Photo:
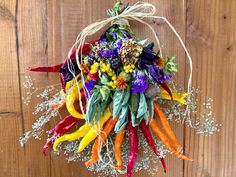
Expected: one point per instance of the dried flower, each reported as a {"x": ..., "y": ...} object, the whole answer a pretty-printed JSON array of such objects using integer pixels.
[
  {"x": 94, "y": 68},
  {"x": 170, "y": 65},
  {"x": 157, "y": 74},
  {"x": 112, "y": 84},
  {"x": 121, "y": 84},
  {"x": 115, "y": 63},
  {"x": 129, "y": 68},
  {"x": 147, "y": 58},
  {"x": 89, "y": 85},
  {"x": 140, "y": 84},
  {"x": 160, "y": 63},
  {"x": 84, "y": 68},
  {"x": 129, "y": 52}
]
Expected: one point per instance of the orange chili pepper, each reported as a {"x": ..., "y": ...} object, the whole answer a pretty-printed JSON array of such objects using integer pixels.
[
  {"x": 57, "y": 105},
  {"x": 118, "y": 142},
  {"x": 100, "y": 140},
  {"x": 157, "y": 131},
  {"x": 166, "y": 125}
]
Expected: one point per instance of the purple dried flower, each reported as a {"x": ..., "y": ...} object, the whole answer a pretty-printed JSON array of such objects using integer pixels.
[
  {"x": 113, "y": 34},
  {"x": 102, "y": 40},
  {"x": 119, "y": 44},
  {"x": 103, "y": 53},
  {"x": 140, "y": 84},
  {"x": 89, "y": 85},
  {"x": 110, "y": 53},
  {"x": 157, "y": 74}
]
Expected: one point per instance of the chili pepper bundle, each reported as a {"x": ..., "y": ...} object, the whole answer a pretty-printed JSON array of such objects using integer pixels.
[{"x": 115, "y": 82}]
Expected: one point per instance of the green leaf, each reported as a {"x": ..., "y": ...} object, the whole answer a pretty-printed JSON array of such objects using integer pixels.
[
  {"x": 98, "y": 99},
  {"x": 123, "y": 119},
  {"x": 108, "y": 37},
  {"x": 142, "y": 109},
  {"x": 98, "y": 113},
  {"x": 150, "y": 107},
  {"x": 104, "y": 106},
  {"x": 105, "y": 92},
  {"x": 117, "y": 102},
  {"x": 134, "y": 102},
  {"x": 145, "y": 117},
  {"x": 137, "y": 121},
  {"x": 133, "y": 118},
  {"x": 116, "y": 7},
  {"x": 91, "y": 108},
  {"x": 104, "y": 79},
  {"x": 127, "y": 96}
]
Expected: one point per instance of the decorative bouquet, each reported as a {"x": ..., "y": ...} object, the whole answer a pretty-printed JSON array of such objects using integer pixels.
[{"x": 118, "y": 85}]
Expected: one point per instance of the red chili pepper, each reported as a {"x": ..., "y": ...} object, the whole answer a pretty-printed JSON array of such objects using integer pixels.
[
  {"x": 166, "y": 88},
  {"x": 94, "y": 76},
  {"x": 63, "y": 127},
  {"x": 47, "y": 145},
  {"x": 55, "y": 68},
  {"x": 67, "y": 122},
  {"x": 63, "y": 83},
  {"x": 85, "y": 48},
  {"x": 149, "y": 138},
  {"x": 60, "y": 129},
  {"x": 133, "y": 136}
]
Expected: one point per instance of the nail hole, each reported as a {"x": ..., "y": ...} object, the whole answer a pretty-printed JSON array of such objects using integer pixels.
[{"x": 228, "y": 48}]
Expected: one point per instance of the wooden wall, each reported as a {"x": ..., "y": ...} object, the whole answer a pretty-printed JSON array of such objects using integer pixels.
[{"x": 40, "y": 32}]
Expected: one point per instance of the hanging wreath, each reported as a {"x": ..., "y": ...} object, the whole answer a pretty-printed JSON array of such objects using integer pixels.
[{"x": 119, "y": 83}]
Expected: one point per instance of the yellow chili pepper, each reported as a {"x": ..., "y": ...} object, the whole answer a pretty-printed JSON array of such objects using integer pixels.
[
  {"x": 72, "y": 82},
  {"x": 81, "y": 132},
  {"x": 94, "y": 131},
  {"x": 72, "y": 96},
  {"x": 180, "y": 97}
]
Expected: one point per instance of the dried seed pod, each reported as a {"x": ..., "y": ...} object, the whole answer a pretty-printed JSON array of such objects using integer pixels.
[{"x": 129, "y": 52}]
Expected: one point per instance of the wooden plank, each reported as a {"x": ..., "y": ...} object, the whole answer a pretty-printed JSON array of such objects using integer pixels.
[
  {"x": 211, "y": 38},
  {"x": 10, "y": 109},
  {"x": 32, "y": 36},
  {"x": 174, "y": 12}
]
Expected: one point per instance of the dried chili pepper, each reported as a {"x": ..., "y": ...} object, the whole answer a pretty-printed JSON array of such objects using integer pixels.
[
  {"x": 47, "y": 69},
  {"x": 64, "y": 125},
  {"x": 166, "y": 125},
  {"x": 95, "y": 130},
  {"x": 47, "y": 145},
  {"x": 118, "y": 142},
  {"x": 149, "y": 138},
  {"x": 72, "y": 96},
  {"x": 100, "y": 140},
  {"x": 167, "y": 89},
  {"x": 157, "y": 130},
  {"x": 133, "y": 136},
  {"x": 60, "y": 129},
  {"x": 81, "y": 132}
]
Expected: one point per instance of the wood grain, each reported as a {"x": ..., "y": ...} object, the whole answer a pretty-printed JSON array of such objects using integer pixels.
[
  {"x": 211, "y": 39},
  {"x": 11, "y": 119},
  {"x": 41, "y": 32}
]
